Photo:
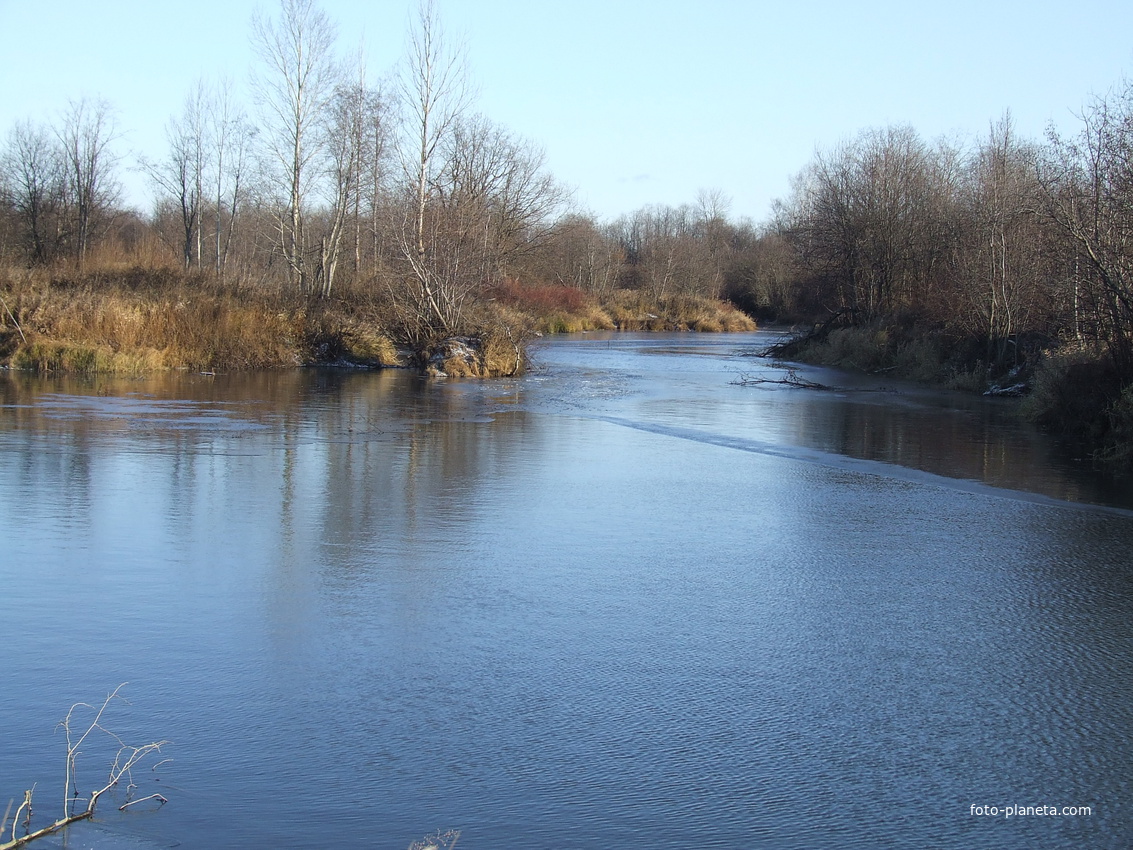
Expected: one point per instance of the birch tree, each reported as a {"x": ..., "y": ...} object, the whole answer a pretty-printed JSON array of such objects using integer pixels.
[
  {"x": 297, "y": 78},
  {"x": 434, "y": 93},
  {"x": 354, "y": 128},
  {"x": 1003, "y": 274},
  {"x": 230, "y": 139},
  {"x": 1088, "y": 196}
]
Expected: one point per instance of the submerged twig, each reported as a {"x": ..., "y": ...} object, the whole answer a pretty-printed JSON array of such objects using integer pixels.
[
  {"x": 437, "y": 841},
  {"x": 157, "y": 797}
]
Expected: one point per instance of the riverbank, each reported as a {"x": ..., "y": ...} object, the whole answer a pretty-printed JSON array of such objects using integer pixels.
[
  {"x": 133, "y": 320},
  {"x": 562, "y": 309},
  {"x": 1073, "y": 392}
]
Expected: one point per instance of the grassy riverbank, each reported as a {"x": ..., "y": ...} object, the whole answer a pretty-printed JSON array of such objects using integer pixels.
[
  {"x": 132, "y": 320},
  {"x": 563, "y": 309},
  {"x": 137, "y": 320}
]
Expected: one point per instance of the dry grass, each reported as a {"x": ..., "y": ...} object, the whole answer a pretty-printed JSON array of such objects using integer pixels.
[
  {"x": 594, "y": 318},
  {"x": 493, "y": 344},
  {"x": 565, "y": 309},
  {"x": 927, "y": 358},
  {"x": 45, "y": 356},
  {"x": 138, "y": 320},
  {"x": 635, "y": 310},
  {"x": 489, "y": 356},
  {"x": 1082, "y": 397},
  {"x": 553, "y": 309}
]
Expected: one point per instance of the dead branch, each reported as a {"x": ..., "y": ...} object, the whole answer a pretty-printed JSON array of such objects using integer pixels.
[
  {"x": 125, "y": 758},
  {"x": 157, "y": 797},
  {"x": 791, "y": 379}
]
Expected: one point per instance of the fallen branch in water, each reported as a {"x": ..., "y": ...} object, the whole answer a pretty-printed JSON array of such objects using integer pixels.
[
  {"x": 125, "y": 758},
  {"x": 792, "y": 379}
]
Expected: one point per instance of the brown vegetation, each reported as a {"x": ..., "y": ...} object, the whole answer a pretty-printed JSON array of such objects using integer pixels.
[
  {"x": 133, "y": 319},
  {"x": 140, "y": 320},
  {"x": 567, "y": 309}
]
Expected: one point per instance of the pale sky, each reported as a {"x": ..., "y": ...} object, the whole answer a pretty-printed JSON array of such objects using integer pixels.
[{"x": 635, "y": 101}]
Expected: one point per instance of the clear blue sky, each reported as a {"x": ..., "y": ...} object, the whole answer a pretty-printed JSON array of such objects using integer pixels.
[{"x": 635, "y": 101}]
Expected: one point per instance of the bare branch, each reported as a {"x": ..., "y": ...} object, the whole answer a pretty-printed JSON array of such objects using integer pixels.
[{"x": 125, "y": 758}]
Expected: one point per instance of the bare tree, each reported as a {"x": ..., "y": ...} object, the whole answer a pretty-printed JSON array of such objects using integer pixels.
[
  {"x": 661, "y": 248},
  {"x": 713, "y": 231},
  {"x": 296, "y": 82},
  {"x": 866, "y": 220},
  {"x": 1000, "y": 243},
  {"x": 375, "y": 196},
  {"x": 32, "y": 167},
  {"x": 578, "y": 253},
  {"x": 231, "y": 137},
  {"x": 434, "y": 93},
  {"x": 1088, "y": 187},
  {"x": 181, "y": 174},
  {"x": 90, "y": 185},
  {"x": 496, "y": 197},
  {"x": 354, "y": 128}
]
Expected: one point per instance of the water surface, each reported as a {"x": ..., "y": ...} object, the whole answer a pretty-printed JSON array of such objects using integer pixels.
[{"x": 622, "y": 600}]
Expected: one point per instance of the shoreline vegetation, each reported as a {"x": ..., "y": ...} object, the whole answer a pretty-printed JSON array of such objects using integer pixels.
[
  {"x": 135, "y": 320},
  {"x": 333, "y": 218}
]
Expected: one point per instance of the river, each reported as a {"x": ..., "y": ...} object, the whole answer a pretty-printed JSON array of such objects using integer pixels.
[{"x": 628, "y": 599}]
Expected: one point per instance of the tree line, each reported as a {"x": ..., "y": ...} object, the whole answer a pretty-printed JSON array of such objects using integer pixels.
[{"x": 1010, "y": 241}]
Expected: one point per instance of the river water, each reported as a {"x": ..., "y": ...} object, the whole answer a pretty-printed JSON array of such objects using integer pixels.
[{"x": 631, "y": 599}]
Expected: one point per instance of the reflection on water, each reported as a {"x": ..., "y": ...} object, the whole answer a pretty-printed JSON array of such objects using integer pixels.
[
  {"x": 687, "y": 382},
  {"x": 621, "y": 600}
]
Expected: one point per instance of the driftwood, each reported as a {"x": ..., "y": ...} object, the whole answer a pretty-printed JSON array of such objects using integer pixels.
[
  {"x": 791, "y": 379},
  {"x": 127, "y": 757}
]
